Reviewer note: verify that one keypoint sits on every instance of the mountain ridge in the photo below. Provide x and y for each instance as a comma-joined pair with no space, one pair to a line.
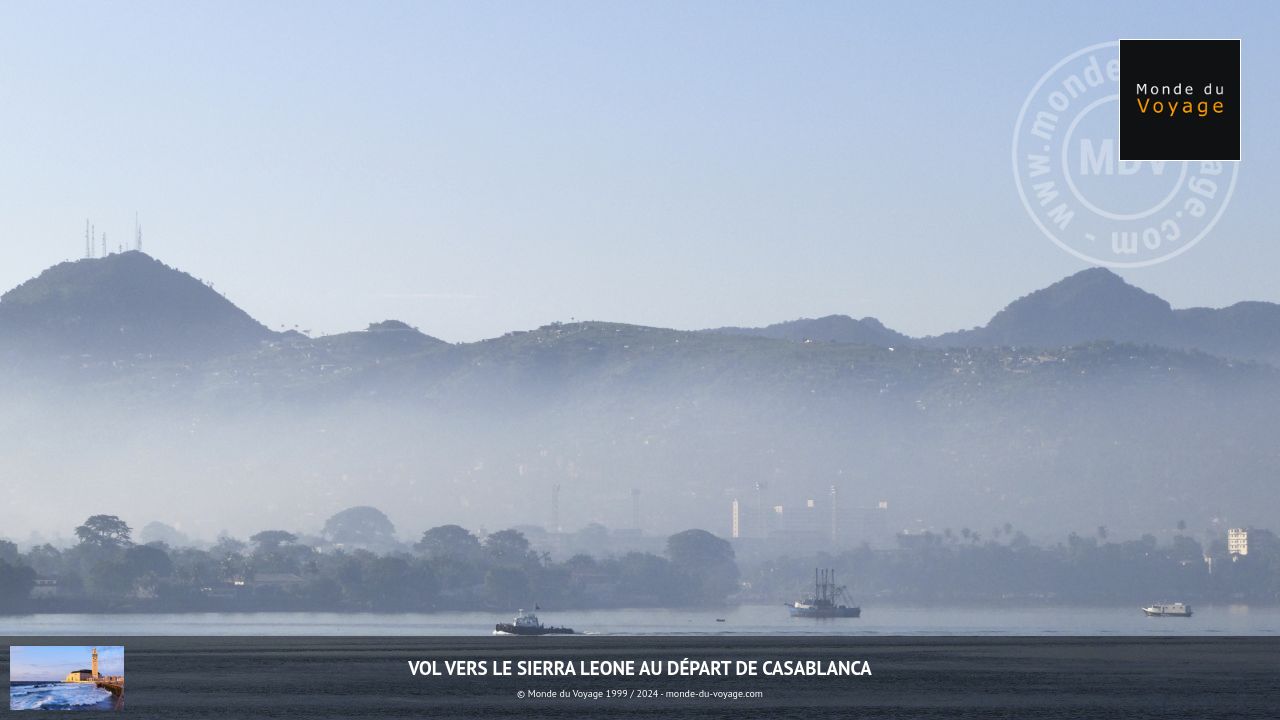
1092,305
266,423
129,304
122,305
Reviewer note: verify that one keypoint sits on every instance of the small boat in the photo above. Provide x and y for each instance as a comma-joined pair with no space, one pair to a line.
526,623
1167,610
825,602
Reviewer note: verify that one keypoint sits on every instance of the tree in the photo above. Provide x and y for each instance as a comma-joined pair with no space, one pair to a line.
276,551
362,527
105,531
449,541
227,545
507,587
706,561
16,582
159,532
396,583
270,540
8,552
108,578
1186,549
147,562
698,548
508,547
646,579
45,559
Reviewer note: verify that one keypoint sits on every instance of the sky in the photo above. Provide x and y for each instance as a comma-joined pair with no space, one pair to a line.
53,662
474,168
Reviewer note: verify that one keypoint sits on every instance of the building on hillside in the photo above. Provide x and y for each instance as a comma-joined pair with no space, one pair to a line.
1238,541
44,588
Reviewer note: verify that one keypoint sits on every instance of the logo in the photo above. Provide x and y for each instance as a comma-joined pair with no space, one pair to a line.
1082,196
1180,99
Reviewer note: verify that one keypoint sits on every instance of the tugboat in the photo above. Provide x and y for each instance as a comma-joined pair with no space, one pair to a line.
1168,610
526,623
825,600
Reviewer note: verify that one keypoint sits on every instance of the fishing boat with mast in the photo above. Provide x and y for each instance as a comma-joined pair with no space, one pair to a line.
828,600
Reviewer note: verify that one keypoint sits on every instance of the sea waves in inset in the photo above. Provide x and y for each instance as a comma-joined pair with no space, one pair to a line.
58,696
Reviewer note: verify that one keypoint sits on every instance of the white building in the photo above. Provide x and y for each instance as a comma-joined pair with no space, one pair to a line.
1238,541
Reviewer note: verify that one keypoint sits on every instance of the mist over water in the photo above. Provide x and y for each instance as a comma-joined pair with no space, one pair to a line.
741,620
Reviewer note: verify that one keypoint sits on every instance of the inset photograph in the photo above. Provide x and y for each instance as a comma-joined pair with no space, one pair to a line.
66,677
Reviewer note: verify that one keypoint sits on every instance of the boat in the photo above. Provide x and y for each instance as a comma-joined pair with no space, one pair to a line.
526,623
1168,610
827,601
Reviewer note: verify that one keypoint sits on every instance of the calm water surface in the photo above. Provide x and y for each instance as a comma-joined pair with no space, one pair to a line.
743,620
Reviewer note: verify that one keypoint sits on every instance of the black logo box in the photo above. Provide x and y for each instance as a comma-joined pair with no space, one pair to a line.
1185,67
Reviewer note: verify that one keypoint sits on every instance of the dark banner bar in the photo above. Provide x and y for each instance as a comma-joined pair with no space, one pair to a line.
694,677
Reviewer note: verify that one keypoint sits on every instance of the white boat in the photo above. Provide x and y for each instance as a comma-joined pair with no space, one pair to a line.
526,623
1168,610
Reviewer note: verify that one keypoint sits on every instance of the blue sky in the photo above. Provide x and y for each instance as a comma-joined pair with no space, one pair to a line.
474,168
53,662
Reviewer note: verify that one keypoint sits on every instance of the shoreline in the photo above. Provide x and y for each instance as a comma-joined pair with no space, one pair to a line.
971,605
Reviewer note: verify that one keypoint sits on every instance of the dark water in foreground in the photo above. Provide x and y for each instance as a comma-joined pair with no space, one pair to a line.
947,677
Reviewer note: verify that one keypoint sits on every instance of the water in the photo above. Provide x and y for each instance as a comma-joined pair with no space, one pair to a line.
743,620
58,696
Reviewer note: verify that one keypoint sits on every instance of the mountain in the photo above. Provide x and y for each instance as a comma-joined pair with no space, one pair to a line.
1098,305
1006,423
1094,305
1134,438
389,337
1091,305
832,328
122,306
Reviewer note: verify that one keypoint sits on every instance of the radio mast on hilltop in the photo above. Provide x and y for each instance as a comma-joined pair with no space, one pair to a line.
137,233
88,240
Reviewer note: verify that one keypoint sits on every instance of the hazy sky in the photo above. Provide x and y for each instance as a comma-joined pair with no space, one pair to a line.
473,168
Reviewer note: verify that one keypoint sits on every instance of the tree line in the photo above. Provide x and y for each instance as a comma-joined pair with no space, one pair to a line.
949,567
356,564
